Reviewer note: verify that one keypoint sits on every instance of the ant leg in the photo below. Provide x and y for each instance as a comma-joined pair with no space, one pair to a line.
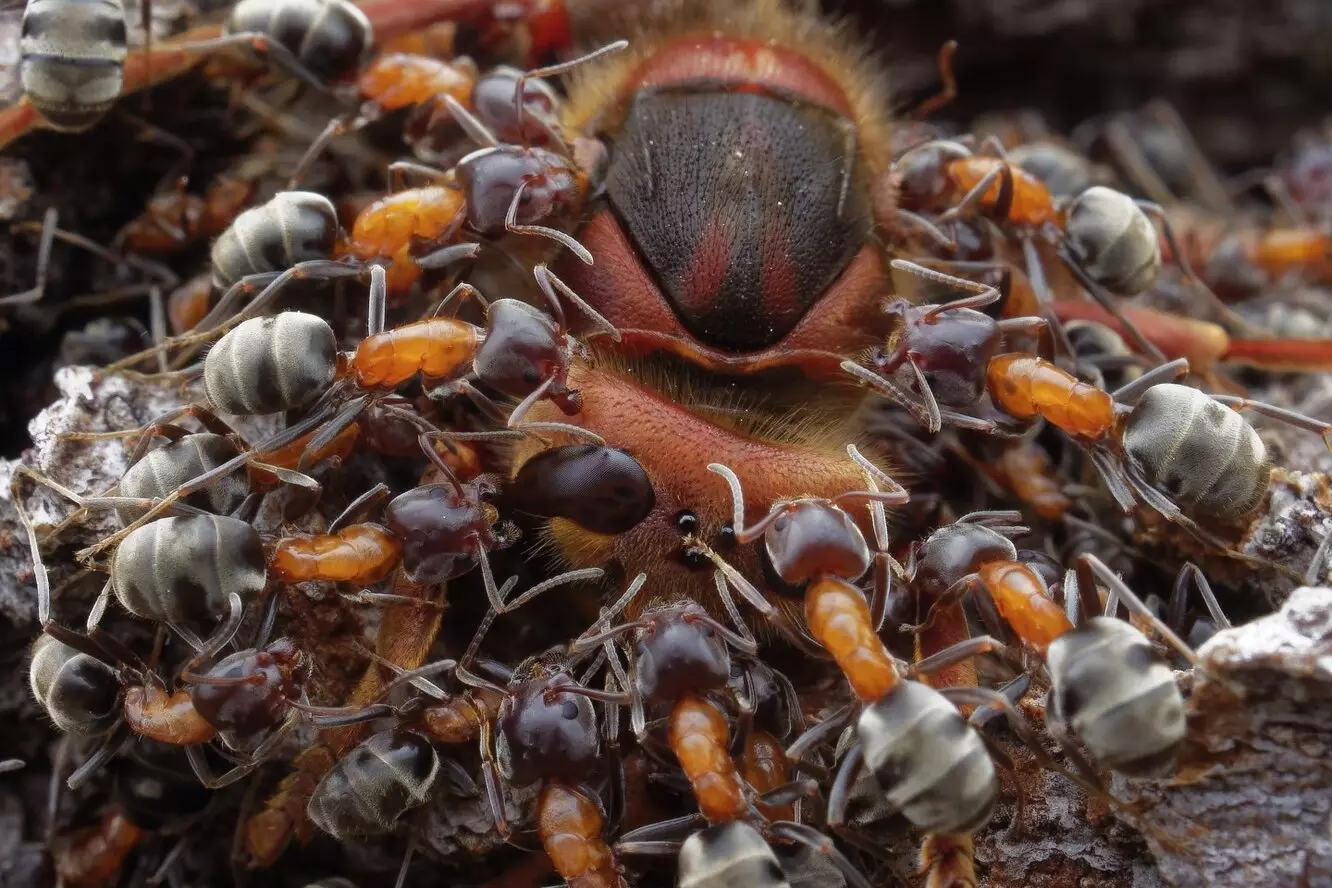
362,507
976,195
546,280
494,788
1222,310
927,413
218,640
399,170
963,650
336,127
1040,286
817,841
341,421
1132,392
1314,574
1133,163
446,256
460,292
928,228
561,238
1108,301
654,833
49,222
472,127
262,43
1119,589
1205,181
117,740
1180,593
1290,417
311,269
820,733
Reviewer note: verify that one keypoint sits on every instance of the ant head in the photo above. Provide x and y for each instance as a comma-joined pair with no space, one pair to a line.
247,692
537,183
440,530
679,653
546,729
955,551
921,171
524,348
809,537
495,102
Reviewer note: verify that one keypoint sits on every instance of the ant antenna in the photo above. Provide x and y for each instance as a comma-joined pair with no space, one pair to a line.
949,91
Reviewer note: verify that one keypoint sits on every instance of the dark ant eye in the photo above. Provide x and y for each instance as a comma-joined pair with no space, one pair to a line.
531,377
783,521
569,710
726,537
686,522
736,670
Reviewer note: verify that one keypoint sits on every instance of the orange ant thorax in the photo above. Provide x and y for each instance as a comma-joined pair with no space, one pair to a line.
362,553
1020,597
1027,387
700,738
399,80
438,348
1032,204
839,619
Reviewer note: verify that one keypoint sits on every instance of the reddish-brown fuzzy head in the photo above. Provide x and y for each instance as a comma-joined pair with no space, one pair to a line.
736,230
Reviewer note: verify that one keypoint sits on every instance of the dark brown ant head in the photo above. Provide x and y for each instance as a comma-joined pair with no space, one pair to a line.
954,552
248,692
546,730
601,489
524,348
951,346
810,537
491,179
493,102
442,528
679,653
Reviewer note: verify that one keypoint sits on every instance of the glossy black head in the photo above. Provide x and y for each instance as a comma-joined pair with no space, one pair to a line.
953,552
741,205
677,655
276,675
492,176
952,348
440,531
494,105
545,732
523,348
601,489
814,537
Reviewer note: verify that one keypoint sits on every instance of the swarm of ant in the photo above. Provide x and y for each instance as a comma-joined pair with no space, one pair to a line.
677,469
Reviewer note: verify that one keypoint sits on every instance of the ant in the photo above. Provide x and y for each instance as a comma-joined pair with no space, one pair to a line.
681,655
291,361
516,106
1145,439
1107,685
1102,236
177,219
